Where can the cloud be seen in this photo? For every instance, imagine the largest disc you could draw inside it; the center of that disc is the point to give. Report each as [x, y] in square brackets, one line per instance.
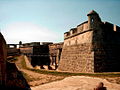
[28, 32]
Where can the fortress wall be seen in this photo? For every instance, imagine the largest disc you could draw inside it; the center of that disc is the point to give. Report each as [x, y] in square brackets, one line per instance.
[75, 31]
[93, 48]
[26, 50]
[111, 27]
[82, 27]
[106, 57]
[78, 58]
[85, 37]
[117, 28]
[108, 26]
[76, 54]
[85, 26]
[106, 45]
[3, 57]
[55, 52]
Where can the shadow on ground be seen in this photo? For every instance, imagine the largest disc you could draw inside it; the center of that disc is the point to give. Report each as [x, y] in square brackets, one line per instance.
[14, 79]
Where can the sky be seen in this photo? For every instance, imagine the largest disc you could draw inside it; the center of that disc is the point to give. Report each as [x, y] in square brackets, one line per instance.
[48, 20]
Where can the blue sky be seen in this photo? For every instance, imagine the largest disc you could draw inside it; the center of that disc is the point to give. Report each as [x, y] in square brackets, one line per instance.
[47, 20]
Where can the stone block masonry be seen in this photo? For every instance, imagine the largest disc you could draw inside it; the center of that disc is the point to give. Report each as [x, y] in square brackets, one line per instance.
[77, 58]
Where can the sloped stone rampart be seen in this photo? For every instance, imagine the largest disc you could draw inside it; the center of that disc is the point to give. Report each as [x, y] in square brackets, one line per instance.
[77, 58]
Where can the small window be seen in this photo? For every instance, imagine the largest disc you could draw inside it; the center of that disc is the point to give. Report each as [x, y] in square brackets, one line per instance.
[92, 20]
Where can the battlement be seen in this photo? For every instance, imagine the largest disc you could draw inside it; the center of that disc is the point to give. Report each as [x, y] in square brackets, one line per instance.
[70, 33]
[81, 28]
[74, 31]
[111, 27]
[35, 44]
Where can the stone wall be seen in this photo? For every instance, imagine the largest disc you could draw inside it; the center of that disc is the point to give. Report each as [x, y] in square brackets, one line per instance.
[3, 56]
[106, 57]
[77, 58]
[55, 53]
[26, 50]
[106, 46]
[38, 54]
[77, 54]
[75, 31]
[80, 38]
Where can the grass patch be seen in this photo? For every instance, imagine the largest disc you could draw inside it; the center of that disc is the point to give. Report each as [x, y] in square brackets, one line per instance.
[65, 74]
[76, 74]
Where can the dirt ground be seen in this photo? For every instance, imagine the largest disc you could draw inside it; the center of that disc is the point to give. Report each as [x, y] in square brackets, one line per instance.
[77, 83]
[39, 81]
[36, 79]
[33, 78]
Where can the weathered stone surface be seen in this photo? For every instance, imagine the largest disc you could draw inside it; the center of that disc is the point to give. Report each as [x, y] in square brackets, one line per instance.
[37, 52]
[77, 58]
[55, 53]
[3, 56]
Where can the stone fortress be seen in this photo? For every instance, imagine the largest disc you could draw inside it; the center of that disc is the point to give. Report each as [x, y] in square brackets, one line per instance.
[92, 46]
[38, 53]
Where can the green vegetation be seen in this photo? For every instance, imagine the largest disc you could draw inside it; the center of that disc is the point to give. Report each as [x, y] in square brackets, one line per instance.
[22, 64]
[76, 74]
[65, 74]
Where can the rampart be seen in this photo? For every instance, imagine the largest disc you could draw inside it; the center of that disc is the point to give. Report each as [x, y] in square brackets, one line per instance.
[76, 53]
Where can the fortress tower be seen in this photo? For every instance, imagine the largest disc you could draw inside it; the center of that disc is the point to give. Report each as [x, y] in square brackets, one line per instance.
[91, 47]
[93, 20]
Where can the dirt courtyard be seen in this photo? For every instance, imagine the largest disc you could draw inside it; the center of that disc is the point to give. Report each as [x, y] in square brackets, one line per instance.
[77, 83]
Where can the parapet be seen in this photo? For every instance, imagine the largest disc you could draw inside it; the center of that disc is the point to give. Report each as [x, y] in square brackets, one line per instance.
[79, 29]
[111, 27]
[36, 44]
